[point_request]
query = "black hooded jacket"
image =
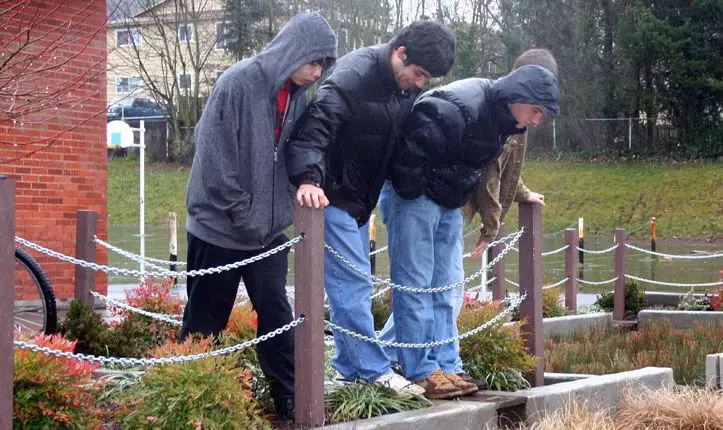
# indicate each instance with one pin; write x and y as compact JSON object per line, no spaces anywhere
{"x":455,"y":129}
{"x":344,"y":140}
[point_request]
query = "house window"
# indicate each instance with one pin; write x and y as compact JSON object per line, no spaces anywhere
{"x":128,"y":36}
{"x":185,"y":33}
{"x":127,"y":84}
{"x":184,"y":81}
{"x":224,"y":35}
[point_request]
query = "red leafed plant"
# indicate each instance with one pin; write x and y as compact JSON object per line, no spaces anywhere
{"x":53,"y":392}
{"x":153,"y":296}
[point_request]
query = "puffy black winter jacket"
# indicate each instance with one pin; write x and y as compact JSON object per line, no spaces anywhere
{"x":455,"y":129}
{"x":345,"y":139}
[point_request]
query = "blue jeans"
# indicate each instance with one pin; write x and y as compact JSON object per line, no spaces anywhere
{"x":425,"y":244}
{"x":350,"y":297}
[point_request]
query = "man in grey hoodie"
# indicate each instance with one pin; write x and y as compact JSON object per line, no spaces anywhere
{"x":239,"y":198}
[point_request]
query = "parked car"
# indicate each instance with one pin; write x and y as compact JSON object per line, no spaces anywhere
{"x":133,"y":107}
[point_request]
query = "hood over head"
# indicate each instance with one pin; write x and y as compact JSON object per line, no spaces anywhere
{"x":529,"y":84}
{"x":305,"y":38}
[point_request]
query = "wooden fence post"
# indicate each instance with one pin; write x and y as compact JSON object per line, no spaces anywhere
{"x":571,"y":270}
{"x":531,"y":283}
{"x":309,"y":302}
{"x":7,"y":299}
{"x":620,"y":270}
{"x":498,"y":270}
{"x":85,"y":249}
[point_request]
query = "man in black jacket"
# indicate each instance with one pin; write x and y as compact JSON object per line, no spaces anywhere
{"x":343,"y":144}
{"x":451,"y":132}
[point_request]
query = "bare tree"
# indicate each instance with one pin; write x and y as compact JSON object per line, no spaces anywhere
{"x":43,"y":70}
{"x":174,"y":48}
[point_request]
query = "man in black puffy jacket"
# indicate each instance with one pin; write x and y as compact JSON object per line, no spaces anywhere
{"x":451,"y":132}
{"x":341,"y":150}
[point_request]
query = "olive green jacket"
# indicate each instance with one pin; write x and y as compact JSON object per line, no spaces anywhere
{"x":501,"y":184}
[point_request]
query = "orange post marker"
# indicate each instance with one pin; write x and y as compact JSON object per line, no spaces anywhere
{"x":652,"y":234}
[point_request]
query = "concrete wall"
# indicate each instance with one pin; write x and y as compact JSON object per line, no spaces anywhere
{"x":679,"y":319}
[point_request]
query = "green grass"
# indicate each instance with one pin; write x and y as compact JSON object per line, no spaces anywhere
{"x":687,"y":198}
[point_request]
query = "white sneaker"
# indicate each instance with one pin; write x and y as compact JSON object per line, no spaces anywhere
{"x":400,"y":385}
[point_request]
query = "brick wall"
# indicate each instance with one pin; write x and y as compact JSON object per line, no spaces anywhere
{"x":52,"y":125}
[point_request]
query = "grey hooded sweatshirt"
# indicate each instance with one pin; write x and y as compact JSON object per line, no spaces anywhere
{"x":239,"y":195}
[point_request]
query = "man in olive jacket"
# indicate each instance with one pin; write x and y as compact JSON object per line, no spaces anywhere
{"x":239,"y":199}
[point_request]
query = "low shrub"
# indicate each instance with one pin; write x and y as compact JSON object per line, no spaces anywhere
{"x":91,"y":334}
{"x":210,"y":393}
{"x":551,"y":305}
{"x":53,"y":392}
{"x":361,"y":401}
{"x":634,"y":299}
{"x":493,"y":352}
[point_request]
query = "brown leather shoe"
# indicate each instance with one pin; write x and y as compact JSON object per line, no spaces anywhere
{"x":467,"y":388}
{"x":480,"y":383}
{"x":438,"y":386}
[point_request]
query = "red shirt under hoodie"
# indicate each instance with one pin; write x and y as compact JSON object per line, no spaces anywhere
{"x":282,"y":102}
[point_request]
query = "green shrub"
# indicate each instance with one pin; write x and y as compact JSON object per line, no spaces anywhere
{"x":497,"y":350}
{"x":53,"y":392}
{"x":551,"y":306}
{"x":361,"y":401}
{"x":88,"y":329}
{"x":634,"y":299}
{"x":381,"y":310}
{"x":210,"y":393}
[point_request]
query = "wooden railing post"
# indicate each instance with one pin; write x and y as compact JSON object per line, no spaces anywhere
{"x":531,"y":284}
{"x":85,"y":249}
{"x":309,"y":302}
{"x":498,"y":270}
{"x":7,"y":299}
{"x":620,"y":270}
{"x":571,"y":270}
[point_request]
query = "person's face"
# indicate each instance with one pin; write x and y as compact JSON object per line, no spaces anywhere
{"x":307,"y":74}
{"x":410,"y":75}
{"x":527,"y":115}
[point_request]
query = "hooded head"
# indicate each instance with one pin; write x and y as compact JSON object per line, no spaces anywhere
{"x":305,"y":39}
{"x":525,"y":95}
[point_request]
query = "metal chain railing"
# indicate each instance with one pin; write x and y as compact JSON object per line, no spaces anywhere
{"x":135,"y":257}
{"x":511,"y":282}
{"x":162,"y":273}
{"x":674,"y":284}
{"x":602,"y":251}
{"x":145,"y":362}
{"x":556,"y":284}
{"x":556,"y":251}
{"x":479,"y":287}
{"x":514,"y":238}
{"x":171,"y":319}
{"x":675,"y":256}
{"x":514,"y":304}
{"x":609,"y":281}
{"x":382,"y":249}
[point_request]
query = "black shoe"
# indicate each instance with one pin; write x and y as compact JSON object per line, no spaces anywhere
{"x":480,"y":383}
{"x":285,"y":409}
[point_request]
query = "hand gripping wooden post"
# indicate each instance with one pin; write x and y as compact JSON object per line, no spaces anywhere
{"x":7,"y":298}
{"x":309,"y":302}
{"x":531,"y":283}
{"x":85,"y":249}
{"x":498,"y":270}
{"x":571,"y":270}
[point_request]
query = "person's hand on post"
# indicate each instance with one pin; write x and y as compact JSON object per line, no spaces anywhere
{"x":311,"y":196}
{"x":479,"y":248}
{"x":536,"y":198}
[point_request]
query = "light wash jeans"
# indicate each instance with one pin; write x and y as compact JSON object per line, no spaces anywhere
{"x":350,"y":297}
{"x":425,"y":246}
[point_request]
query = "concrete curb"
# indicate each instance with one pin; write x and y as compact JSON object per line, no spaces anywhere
{"x":600,"y":392}
{"x":444,"y":415}
{"x":564,"y":326}
{"x":679,"y":319}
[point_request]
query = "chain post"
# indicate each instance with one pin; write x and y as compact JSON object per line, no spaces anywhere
{"x":85,"y":249}
{"x":619,"y":295}
{"x":571,"y":270}
{"x":531,"y":284}
{"x":498,"y":270}
{"x":7,"y":298}
{"x":309,"y":302}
